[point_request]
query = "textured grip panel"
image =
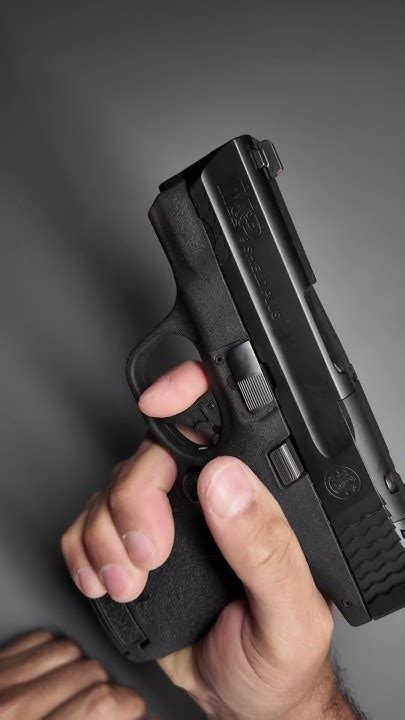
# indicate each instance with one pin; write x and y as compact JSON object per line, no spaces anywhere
{"x":119,"y":623}
{"x":377,"y":559}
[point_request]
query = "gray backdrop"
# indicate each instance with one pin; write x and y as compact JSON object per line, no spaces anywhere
{"x":99,"y":102}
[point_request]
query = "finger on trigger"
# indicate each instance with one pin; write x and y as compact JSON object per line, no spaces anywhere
{"x":175,"y":391}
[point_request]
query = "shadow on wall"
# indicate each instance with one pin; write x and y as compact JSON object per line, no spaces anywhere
{"x":84,"y":293}
{"x":70,"y":180}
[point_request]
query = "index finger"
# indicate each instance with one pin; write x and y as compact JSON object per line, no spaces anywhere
{"x":175,"y":391}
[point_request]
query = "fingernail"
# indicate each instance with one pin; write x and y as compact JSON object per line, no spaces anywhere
{"x":160,"y":385}
{"x":229,"y":492}
{"x":141,"y":549}
{"x":117,"y":580}
{"x":88,"y":582}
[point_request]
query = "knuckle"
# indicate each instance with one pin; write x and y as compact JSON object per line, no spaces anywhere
{"x":67,"y":649}
{"x":120,"y":470}
{"x":272,"y":544}
{"x":69,"y":543}
{"x":93,"y":499}
{"x":281,"y":531}
{"x":43,"y":636}
{"x":121,"y":493}
{"x":66,"y":543}
{"x":116,"y":470}
{"x":103,"y":701}
{"x":95,"y":670}
{"x":92,"y":533}
{"x":138,"y":706}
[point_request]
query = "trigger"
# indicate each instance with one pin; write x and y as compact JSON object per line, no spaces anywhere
{"x":203,"y":415}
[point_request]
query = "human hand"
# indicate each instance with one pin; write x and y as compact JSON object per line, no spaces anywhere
{"x":41,"y":677}
{"x":268,"y":655}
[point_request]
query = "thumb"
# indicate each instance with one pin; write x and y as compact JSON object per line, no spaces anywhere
{"x":255,"y":538}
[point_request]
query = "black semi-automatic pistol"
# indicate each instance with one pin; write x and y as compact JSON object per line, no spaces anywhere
{"x":284,"y":399}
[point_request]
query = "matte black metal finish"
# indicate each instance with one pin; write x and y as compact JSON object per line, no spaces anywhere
{"x":286,"y":400}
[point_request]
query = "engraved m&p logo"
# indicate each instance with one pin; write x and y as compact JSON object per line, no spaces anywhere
{"x":241,"y":212}
{"x":342,"y":482}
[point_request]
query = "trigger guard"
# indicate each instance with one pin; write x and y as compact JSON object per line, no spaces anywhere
{"x":204,"y":412}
